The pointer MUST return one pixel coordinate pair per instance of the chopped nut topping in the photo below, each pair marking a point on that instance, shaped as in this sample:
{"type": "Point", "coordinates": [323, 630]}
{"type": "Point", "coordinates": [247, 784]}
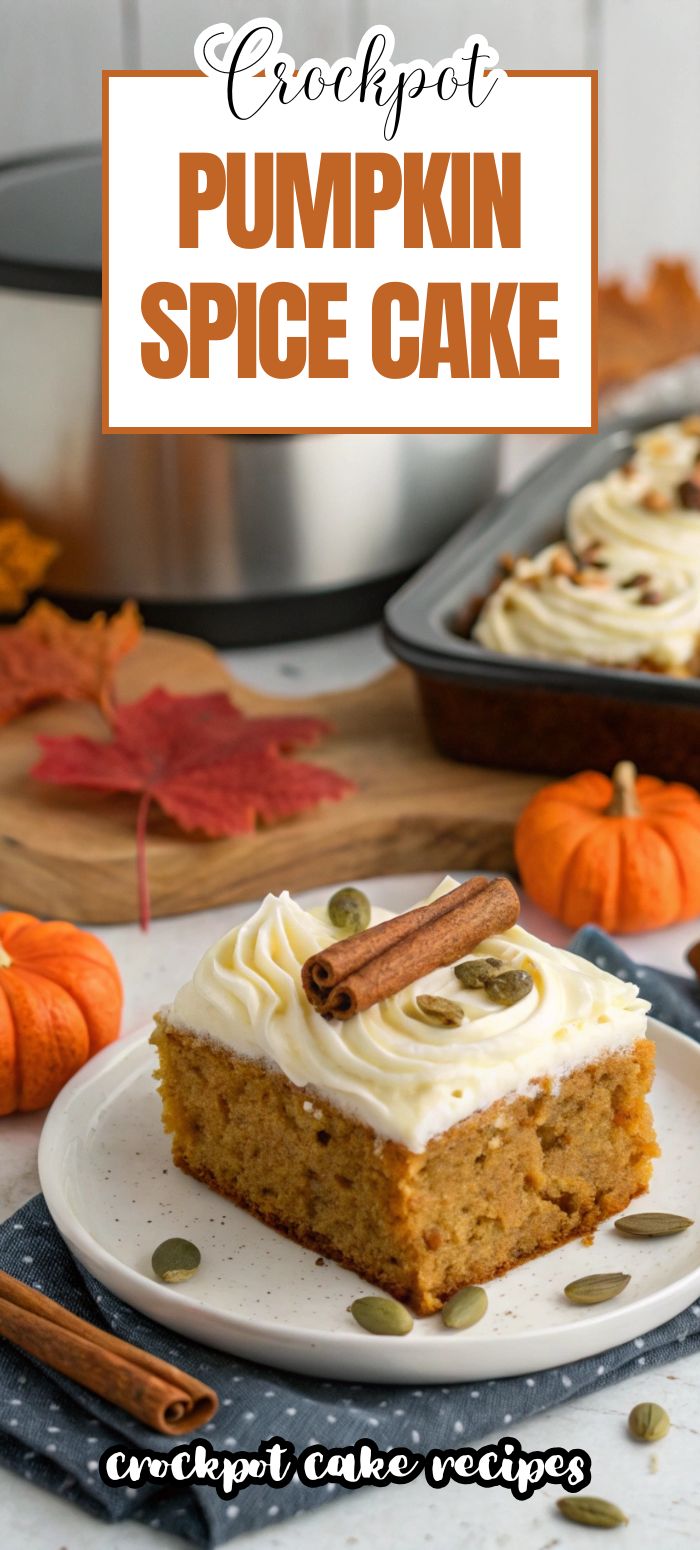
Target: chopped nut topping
{"type": "Point", "coordinates": [468, 615]}
{"type": "Point", "coordinates": [590, 555]}
{"type": "Point", "coordinates": [656, 500]}
{"type": "Point", "coordinates": [689, 493]}
{"type": "Point", "coordinates": [590, 578]}
{"type": "Point", "coordinates": [628, 470]}
{"type": "Point", "coordinates": [507, 563]}
{"type": "Point", "coordinates": [652, 598]}
{"type": "Point", "coordinates": [563, 564]}
{"type": "Point", "coordinates": [640, 580]}
{"type": "Point", "coordinates": [659, 446]}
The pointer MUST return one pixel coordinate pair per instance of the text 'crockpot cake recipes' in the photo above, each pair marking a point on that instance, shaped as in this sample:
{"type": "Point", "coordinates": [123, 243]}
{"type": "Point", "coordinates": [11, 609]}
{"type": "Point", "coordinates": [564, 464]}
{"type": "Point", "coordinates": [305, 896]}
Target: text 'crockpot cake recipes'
{"type": "Point", "coordinates": [352, 246]}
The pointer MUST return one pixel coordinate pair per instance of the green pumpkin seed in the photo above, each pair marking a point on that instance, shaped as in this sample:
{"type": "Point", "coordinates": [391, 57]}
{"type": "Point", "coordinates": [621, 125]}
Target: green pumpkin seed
{"type": "Point", "coordinates": [648, 1422]}
{"type": "Point", "coordinates": [593, 1289]}
{"type": "Point", "coordinates": [381, 1316]}
{"type": "Point", "coordinates": [350, 910]}
{"type": "Point", "coordinates": [510, 987]}
{"type": "Point", "coordinates": [465, 1308]}
{"type": "Point", "coordinates": [175, 1260]}
{"type": "Point", "coordinates": [439, 1012]}
{"type": "Point", "coordinates": [474, 973]}
{"type": "Point", "coordinates": [652, 1224]}
{"type": "Point", "coordinates": [591, 1511]}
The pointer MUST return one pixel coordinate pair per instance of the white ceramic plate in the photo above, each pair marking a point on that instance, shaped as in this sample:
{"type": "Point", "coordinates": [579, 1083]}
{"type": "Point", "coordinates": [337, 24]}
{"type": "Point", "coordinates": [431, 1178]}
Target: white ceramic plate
{"type": "Point", "coordinates": [114, 1194]}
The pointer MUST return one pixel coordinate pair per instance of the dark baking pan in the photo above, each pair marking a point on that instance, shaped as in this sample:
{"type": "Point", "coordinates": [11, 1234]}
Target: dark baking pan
{"type": "Point", "coordinates": [521, 713]}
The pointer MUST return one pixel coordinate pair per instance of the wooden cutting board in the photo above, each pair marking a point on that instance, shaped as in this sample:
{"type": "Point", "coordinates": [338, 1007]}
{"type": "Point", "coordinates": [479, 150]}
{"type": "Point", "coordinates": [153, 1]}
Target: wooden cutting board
{"type": "Point", "coordinates": [72, 854]}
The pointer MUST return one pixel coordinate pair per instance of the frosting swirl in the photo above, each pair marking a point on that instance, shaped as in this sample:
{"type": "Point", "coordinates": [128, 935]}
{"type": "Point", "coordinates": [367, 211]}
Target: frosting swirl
{"type": "Point", "coordinates": [408, 1080]}
{"type": "Point", "coordinates": [612, 511]}
{"type": "Point", "coordinates": [622, 617]}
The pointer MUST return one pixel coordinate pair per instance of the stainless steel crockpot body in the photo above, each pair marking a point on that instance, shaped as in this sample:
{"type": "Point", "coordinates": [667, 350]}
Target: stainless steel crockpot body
{"type": "Point", "coordinates": [238, 538]}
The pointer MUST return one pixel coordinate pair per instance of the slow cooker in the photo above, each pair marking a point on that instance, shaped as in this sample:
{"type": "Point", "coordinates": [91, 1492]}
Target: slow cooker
{"type": "Point", "coordinates": [240, 539]}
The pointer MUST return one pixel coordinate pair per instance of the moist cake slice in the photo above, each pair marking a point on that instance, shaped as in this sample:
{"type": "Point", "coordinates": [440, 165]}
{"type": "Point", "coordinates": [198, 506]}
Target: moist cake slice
{"type": "Point", "coordinates": [424, 1143]}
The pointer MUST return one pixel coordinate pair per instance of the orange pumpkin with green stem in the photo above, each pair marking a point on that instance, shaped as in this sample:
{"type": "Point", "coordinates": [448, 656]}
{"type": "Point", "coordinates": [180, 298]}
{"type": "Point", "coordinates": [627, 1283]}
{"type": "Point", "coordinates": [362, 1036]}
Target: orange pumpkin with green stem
{"type": "Point", "coordinates": [622, 853]}
{"type": "Point", "coordinates": [60, 1002]}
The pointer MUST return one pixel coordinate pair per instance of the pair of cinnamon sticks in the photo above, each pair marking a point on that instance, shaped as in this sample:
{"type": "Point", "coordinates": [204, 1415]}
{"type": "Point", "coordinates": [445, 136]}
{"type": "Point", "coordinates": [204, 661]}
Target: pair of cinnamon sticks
{"type": "Point", "coordinates": [356, 973]}
{"type": "Point", "coordinates": [157, 1394]}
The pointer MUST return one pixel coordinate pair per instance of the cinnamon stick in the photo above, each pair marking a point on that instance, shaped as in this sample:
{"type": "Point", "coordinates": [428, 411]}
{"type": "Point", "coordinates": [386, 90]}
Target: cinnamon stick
{"type": "Point", "coordinates": [324, 970]}
{"type": "Point", "coordinates": [161, 1396]}
{"type": "Point", "coordinates": [353, 975]}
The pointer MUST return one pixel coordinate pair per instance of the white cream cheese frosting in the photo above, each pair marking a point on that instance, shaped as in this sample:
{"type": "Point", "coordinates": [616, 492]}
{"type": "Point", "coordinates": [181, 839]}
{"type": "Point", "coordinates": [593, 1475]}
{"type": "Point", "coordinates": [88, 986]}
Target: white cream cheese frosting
{"type": "Point", "coordinates": [620, 618]}
{"type": "Point", "coordinates": [406, 1079]}
{"type": "Point", "coordinates": [615, 511]}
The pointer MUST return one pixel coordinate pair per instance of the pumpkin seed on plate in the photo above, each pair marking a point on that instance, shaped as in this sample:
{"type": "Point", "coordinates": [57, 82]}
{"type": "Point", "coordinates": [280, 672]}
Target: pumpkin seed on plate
{"type": "Point", "coordinates": [649, 1422]}
{"type": "Point", "coordinates": [465, 1308]}
{"type": "Point", "coordinates": [381, 1316]}
{"type": "Point", "coordinates": [474, 973]}
{"type": "Point", "coordinates": [510, 987]}
{"type": "Point", "coordinates": [438, 1011]}
{"type": "Point", "coordinates": [592, 1289]}
{"type": "Point", "coordinates": [592, 1511]}
{"type": "Point", "coordinates": [176, 1259]}
{"type": "Point", "coordinates": [350, 910]}
{"type": "Point", "coordinates": [652, 1224]}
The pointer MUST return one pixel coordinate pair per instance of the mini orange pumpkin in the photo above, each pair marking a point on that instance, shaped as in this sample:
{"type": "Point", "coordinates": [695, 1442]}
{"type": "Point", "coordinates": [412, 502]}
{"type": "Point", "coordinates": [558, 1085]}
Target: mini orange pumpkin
{"type": "Point", "coordinates": [621, 853]}
{"type": "Point", "coordinates": [60, 1002]}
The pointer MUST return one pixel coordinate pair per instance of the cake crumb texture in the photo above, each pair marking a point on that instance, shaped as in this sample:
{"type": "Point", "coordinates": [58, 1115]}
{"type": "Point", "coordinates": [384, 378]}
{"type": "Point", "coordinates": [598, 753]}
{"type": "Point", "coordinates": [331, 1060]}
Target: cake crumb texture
{"type": "Point", "coordinates": [508, 1183]}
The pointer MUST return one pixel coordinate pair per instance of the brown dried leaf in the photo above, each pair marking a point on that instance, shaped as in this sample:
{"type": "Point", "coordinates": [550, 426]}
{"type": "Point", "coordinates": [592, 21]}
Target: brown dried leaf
{"type": "Point", "coordinates": [640, 332]}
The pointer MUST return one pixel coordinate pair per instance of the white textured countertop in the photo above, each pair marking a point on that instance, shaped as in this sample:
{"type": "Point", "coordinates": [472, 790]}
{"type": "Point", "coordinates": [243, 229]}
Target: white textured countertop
{"type": "Point", "coordinates": [656, 1486]}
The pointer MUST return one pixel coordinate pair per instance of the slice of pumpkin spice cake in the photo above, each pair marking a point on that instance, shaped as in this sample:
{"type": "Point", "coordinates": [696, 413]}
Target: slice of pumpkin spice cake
{"type": "Point", "coordinates": [429, 1098]}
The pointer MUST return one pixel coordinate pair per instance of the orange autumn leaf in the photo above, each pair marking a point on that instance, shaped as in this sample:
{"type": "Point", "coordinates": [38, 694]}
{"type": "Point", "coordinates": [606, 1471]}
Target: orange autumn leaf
{"type": "Point", "coordinates": [100, 640]}
{"type": "Point", "coordinates": [642, 331]}
{"type": "Point", "coordinates": [24, 561]}
{"type": "Point", "coordinates": [48, 656]}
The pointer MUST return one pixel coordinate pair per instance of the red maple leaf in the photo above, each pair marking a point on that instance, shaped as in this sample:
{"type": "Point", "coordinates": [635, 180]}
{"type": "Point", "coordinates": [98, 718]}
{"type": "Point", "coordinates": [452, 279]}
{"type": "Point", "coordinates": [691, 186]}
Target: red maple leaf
{"type": "Point", "coordinates": [207, 766]}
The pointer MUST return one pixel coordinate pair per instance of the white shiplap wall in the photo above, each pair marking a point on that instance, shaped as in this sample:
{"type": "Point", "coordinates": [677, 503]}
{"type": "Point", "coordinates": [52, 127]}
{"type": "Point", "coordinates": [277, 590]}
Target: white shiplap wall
{"type": "Point", "coordinates": [647, 53]}
{"type": "Point", "coordinates": [529, 34]}
{"type": "Point", "coordinates": [169, 27]}
{"type": "Point", "coordinates": [51, 56]}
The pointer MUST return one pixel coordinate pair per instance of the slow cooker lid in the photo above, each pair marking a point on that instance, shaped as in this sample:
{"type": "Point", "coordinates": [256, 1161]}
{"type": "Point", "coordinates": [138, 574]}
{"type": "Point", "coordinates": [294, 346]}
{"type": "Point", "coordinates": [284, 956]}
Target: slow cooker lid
{"type": "Point", "coordinates": [50, 223]}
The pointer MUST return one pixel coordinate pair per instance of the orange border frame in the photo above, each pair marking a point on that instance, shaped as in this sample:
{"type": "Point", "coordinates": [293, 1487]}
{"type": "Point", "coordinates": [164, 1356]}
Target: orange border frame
{"type": "Point", "coordinates": [348, 430]}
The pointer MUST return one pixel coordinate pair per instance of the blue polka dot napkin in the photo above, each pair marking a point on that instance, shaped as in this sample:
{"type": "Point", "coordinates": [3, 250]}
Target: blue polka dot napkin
{"type": "Point", "coordinates": [52, 1432]}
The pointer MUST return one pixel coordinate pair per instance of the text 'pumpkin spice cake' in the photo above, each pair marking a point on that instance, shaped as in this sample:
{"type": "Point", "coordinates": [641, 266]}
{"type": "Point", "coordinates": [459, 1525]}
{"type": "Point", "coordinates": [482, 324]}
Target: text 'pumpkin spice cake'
{"type": "Point", "coordinates": [429, 1101]}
